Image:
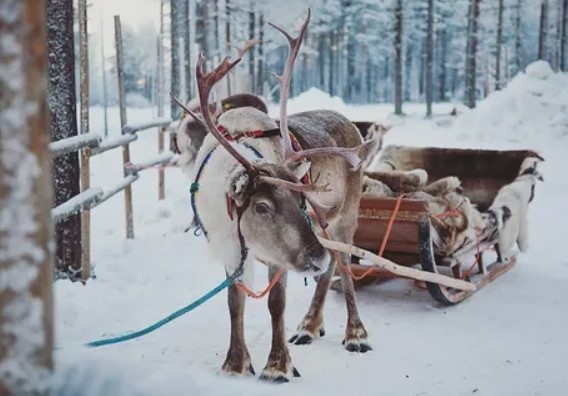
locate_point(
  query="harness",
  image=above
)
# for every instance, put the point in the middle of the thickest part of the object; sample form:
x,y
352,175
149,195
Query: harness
x,y
194,187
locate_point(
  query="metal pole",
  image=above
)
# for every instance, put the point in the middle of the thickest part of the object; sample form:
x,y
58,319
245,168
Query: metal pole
x,y
84,127
123,121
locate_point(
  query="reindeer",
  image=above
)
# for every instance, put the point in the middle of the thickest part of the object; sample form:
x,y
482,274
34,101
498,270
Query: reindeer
x,y
190,134
250,202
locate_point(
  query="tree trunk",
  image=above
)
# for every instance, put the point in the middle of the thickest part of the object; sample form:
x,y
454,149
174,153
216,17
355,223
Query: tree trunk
x,y
331,64
201,25
564,37
176,18
471,54
407,94
187,51
518,37
26,260
321,60
216,26
260,71
398,15
228,38
543,30
443,65
499,45
429,57
63,116
252,20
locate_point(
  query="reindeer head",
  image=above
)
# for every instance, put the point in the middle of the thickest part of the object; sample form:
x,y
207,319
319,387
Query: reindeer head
x,y
273,218
269,200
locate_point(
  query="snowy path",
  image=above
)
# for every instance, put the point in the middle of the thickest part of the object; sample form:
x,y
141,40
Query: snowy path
x,y
508,339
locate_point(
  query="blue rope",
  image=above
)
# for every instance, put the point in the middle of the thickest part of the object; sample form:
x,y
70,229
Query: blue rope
x,y
193,189
188,308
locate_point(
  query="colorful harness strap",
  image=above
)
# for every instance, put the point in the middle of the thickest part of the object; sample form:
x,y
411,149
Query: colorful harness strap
x,y
194,188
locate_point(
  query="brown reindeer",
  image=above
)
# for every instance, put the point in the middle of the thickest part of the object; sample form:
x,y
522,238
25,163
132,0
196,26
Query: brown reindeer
x,y
251,205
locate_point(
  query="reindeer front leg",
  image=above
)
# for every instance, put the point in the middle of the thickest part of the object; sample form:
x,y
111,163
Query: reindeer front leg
x,y
312,324
279,366
355,333
238,357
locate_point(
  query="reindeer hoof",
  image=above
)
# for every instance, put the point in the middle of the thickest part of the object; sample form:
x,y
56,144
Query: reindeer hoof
x,y
278,377
357,346
302,338
356,339
307,331
238,368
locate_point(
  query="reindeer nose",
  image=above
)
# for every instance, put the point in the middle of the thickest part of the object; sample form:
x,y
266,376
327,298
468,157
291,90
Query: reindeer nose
x,y
320,264
314,267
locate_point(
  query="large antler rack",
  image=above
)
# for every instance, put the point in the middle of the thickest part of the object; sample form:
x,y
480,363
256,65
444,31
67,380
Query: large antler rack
x,y
294,44
205,83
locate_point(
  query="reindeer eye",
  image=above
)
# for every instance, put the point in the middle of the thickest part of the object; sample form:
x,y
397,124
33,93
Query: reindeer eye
x,y
261,208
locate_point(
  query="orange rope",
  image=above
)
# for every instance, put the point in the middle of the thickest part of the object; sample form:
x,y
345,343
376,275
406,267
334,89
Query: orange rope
x,y
372,269
241,286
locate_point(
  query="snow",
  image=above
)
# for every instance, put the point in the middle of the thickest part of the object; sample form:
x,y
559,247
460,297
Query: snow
x,y
509,338
533,103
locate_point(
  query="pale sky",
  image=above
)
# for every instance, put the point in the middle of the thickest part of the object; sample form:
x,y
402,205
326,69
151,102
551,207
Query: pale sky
x,y
133,13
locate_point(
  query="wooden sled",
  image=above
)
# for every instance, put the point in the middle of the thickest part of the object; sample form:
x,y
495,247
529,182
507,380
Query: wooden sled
x,y
482,173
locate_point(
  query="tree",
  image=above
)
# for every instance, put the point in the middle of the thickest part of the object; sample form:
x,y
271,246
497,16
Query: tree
x,y
252,20
429,57
26,332
543,30
176,17
518,42
398,16
471,54
564,37
499,44
63,116
187,50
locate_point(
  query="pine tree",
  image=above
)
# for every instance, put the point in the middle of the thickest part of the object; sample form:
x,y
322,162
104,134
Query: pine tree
x,y
63,117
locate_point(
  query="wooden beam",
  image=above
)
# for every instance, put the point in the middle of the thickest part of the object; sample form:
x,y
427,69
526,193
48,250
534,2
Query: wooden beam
x,y
405,272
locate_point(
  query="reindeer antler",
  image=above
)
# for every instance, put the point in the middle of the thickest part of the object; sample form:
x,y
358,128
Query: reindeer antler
x,y
205,82
294,44
188,111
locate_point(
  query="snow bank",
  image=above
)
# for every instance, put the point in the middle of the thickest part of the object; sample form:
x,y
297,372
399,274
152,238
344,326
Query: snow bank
x,y
313,99
532,106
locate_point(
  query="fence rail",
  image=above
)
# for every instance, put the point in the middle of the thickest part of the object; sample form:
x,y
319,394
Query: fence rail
x,y
91,144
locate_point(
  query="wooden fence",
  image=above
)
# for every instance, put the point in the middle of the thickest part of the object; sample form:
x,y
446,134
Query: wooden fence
x,y
91,144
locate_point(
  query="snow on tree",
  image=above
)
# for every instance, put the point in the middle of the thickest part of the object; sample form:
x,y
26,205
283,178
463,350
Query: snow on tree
x,y
26,337
63,115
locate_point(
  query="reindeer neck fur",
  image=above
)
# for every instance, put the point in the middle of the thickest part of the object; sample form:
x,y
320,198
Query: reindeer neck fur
x,y
211,199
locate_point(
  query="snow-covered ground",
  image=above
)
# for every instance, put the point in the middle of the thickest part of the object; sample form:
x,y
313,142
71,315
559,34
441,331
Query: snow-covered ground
x,y
508,339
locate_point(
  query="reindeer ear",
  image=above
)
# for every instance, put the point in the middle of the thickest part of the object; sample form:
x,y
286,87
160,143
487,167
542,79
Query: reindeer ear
x,y
300,168
238,185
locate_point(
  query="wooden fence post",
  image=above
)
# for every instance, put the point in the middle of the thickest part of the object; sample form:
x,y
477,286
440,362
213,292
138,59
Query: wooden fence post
x,y
84,125
123,121
162,130
26,247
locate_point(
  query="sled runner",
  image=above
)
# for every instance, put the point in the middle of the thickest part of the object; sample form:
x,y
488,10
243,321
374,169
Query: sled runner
x,y
482,174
